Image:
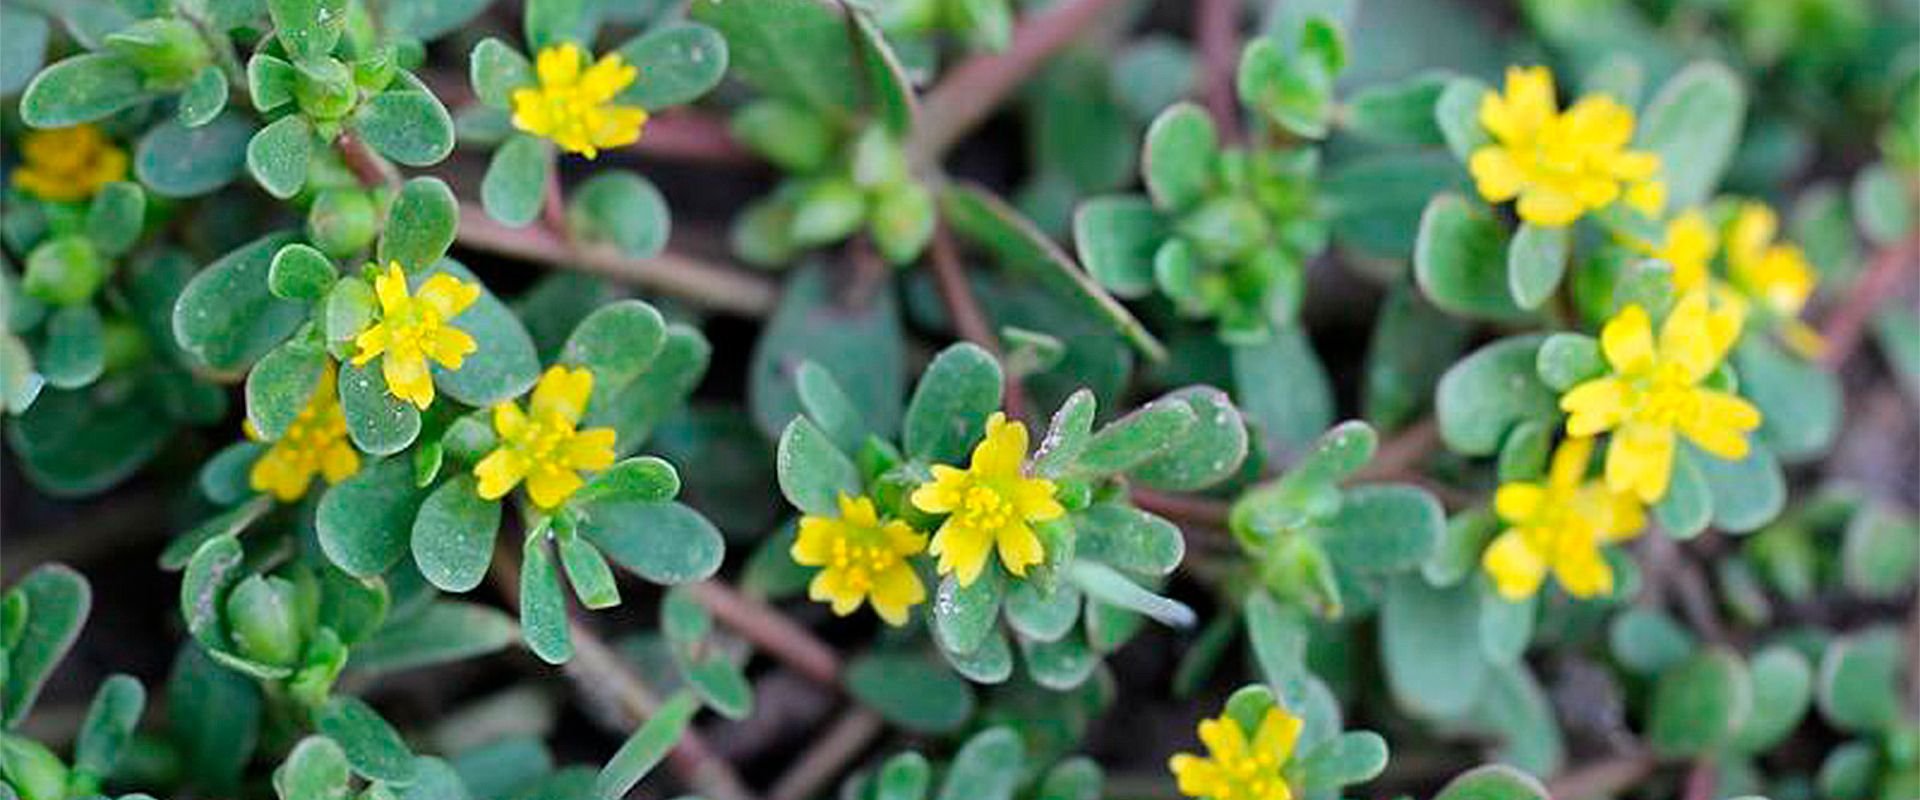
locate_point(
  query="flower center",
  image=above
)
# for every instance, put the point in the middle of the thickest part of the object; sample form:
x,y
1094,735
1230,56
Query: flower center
x,y
543,438
1251,776
313,431
983,508
1664,397
860,557
411,325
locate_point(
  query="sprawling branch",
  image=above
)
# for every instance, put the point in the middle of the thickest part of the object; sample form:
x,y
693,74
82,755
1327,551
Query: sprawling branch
x,y
1844,328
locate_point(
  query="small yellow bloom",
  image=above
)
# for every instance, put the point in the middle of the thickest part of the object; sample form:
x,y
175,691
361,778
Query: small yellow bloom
x,y
1654,393
862,559
989,505
314,444
541,445
1688,245
1559,524
415,328
1235,768
1776,274
68,164
573,105
1560,165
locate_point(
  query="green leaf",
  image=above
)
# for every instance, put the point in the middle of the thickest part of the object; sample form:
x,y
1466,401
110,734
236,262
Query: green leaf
x,y
116,217
1883,203
963,616
543,605
1294,91
618,341
27,47
1399,113
1687,507
1782,691
1039,614
828,406
281,383
647,747
377,421
988,767
505,366
1102,583
299,272
1536,258
799,50
363,521
1647,641
861,346
308,28
1859,681
666,543
1060,665
681,62
495,69
452,536
226,317
1748,493
371,746
174,160
1282,388
1211,451
1494,782
1116,236
408,126
1128,539
427,20
1181,157
621,208
643,480
278,155
1878,552
1567,360
990,663
1506,626
204,98
1700,704
951,404
1351,757
1384,528
1077,778
1457,114
315,770
903,777
111,718
435,779
550,22
1486,394
909,692
1800,403
1136,438
516,180
901,220
1429,645
593,581
442,632
420,224
813,473
81,89
1459,260
57,601
74,353
1693,124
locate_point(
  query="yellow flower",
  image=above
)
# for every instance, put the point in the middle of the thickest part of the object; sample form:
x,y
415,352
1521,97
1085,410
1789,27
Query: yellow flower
x,y
1236,769
314,444
68,164
1776,274
541,445
989,506
1654,394
1559,524
573,105
413,329
1688,245
1560,165
862,559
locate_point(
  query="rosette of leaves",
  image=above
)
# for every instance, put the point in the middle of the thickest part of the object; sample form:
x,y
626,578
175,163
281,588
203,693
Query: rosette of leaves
x,y
87,341
1224,232
1103,558
321,77
128,62
678,62
423,498
834,111
39,619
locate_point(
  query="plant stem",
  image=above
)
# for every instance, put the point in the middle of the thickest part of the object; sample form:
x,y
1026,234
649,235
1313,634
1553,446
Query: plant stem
x,y
1846,325
974,88
1400,454
1604,779
1183,508
372,170
717,287
964,309
828,757
613,694
553,206
1216,32
770,630
686,134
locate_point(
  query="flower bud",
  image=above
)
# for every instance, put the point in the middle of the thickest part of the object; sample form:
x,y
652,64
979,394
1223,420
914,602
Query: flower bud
x,y
167,51
342,222
264,622
64,271
1226,228
324,88
31,769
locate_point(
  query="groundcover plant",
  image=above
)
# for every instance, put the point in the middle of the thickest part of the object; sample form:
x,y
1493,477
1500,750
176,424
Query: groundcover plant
x,y
960,399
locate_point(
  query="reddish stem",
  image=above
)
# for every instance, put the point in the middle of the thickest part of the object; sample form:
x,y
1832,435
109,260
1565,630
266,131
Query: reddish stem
x,y
688,135
1216,32
1846,326
770,630
951,277
371,170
